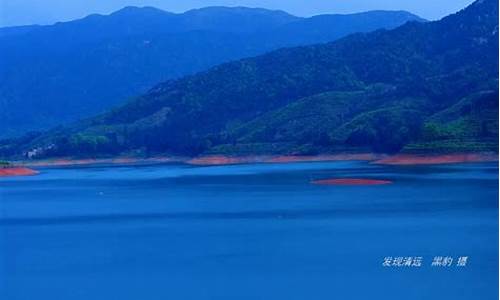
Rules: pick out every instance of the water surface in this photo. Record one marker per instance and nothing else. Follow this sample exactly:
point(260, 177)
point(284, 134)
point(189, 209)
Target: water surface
point(248, 232)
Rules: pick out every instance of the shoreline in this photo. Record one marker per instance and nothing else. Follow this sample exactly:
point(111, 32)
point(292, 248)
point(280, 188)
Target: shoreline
point(219, 160)
point(211, 160)
point(416, 159)
point(124, 161)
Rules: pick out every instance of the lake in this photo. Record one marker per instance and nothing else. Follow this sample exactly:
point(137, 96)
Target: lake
point(259, 231)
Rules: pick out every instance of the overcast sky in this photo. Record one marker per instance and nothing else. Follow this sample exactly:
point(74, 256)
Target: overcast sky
point(22, 12)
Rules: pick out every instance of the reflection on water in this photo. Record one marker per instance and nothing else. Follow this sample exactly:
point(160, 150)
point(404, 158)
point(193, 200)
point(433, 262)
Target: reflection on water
point(248, 232)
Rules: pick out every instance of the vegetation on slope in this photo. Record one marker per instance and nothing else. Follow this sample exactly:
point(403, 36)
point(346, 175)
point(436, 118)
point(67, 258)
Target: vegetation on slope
point(56, 74)
point(407, 88)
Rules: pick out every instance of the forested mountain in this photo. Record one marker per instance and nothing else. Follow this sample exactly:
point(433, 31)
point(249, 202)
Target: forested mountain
point(55, 74)
point(421, 87)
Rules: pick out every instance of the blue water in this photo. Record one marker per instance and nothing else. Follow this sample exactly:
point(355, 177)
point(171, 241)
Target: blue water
point(248, 232)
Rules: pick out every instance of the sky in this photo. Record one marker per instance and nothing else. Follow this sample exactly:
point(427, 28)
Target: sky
point(24, 12)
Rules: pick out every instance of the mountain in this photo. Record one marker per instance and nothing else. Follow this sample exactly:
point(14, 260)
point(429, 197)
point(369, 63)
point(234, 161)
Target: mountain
point(16, 30)
point(56, 74)
point(423, 87)
point(327, 28)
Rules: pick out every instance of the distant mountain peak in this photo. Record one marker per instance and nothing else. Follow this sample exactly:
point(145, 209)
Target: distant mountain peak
point(101, 59)
point(219, 14)
point(136, 10)
point(397, 15)
point(401, 13)
point(237, 9)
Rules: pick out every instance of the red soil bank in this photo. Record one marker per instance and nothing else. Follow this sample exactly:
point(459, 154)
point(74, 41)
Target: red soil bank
point(61, 162)
point(124, 160)
point(17, 171)
point(351, 181)
point(217, 160)
point(90, 161)
point(334, 157)
point(230, 160)
point(203, 160)
point(408, 159)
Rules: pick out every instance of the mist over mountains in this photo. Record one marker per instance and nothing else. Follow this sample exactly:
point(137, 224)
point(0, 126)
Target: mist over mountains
point(56, 74)
point(422, 87)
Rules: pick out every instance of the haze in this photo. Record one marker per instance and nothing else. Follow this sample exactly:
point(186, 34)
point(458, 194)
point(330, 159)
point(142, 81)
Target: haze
point(24, 12)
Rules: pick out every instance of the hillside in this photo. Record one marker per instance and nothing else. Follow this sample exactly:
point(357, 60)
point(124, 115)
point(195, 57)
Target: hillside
point(422, 87)
point(59, 73)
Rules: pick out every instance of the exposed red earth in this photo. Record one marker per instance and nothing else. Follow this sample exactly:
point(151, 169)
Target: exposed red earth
point(16, 171)
point(231, 160)
point(202, 160)
point(333, 157)
point(220, 160)
point(91, 161)
point(59, 162)
point(410, 159)
point(210, 160)
point(351, 181)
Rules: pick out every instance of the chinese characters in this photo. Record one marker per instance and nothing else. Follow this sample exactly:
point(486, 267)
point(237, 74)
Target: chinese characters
point(418, 261)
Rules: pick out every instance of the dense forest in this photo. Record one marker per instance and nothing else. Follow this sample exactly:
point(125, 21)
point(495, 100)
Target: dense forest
point(422, 87)
point(59, 73)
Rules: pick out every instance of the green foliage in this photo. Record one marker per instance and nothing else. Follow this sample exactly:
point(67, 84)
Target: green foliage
point(97, 62)
point(385, 130)
point(420, 86)
point(453, 146)
point(470, 125)
point(84, 144)
point(432, 131)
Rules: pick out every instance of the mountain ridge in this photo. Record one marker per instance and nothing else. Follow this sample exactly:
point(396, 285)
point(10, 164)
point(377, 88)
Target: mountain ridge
point(141, 10)
point(385, 91)
point(100, 60)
